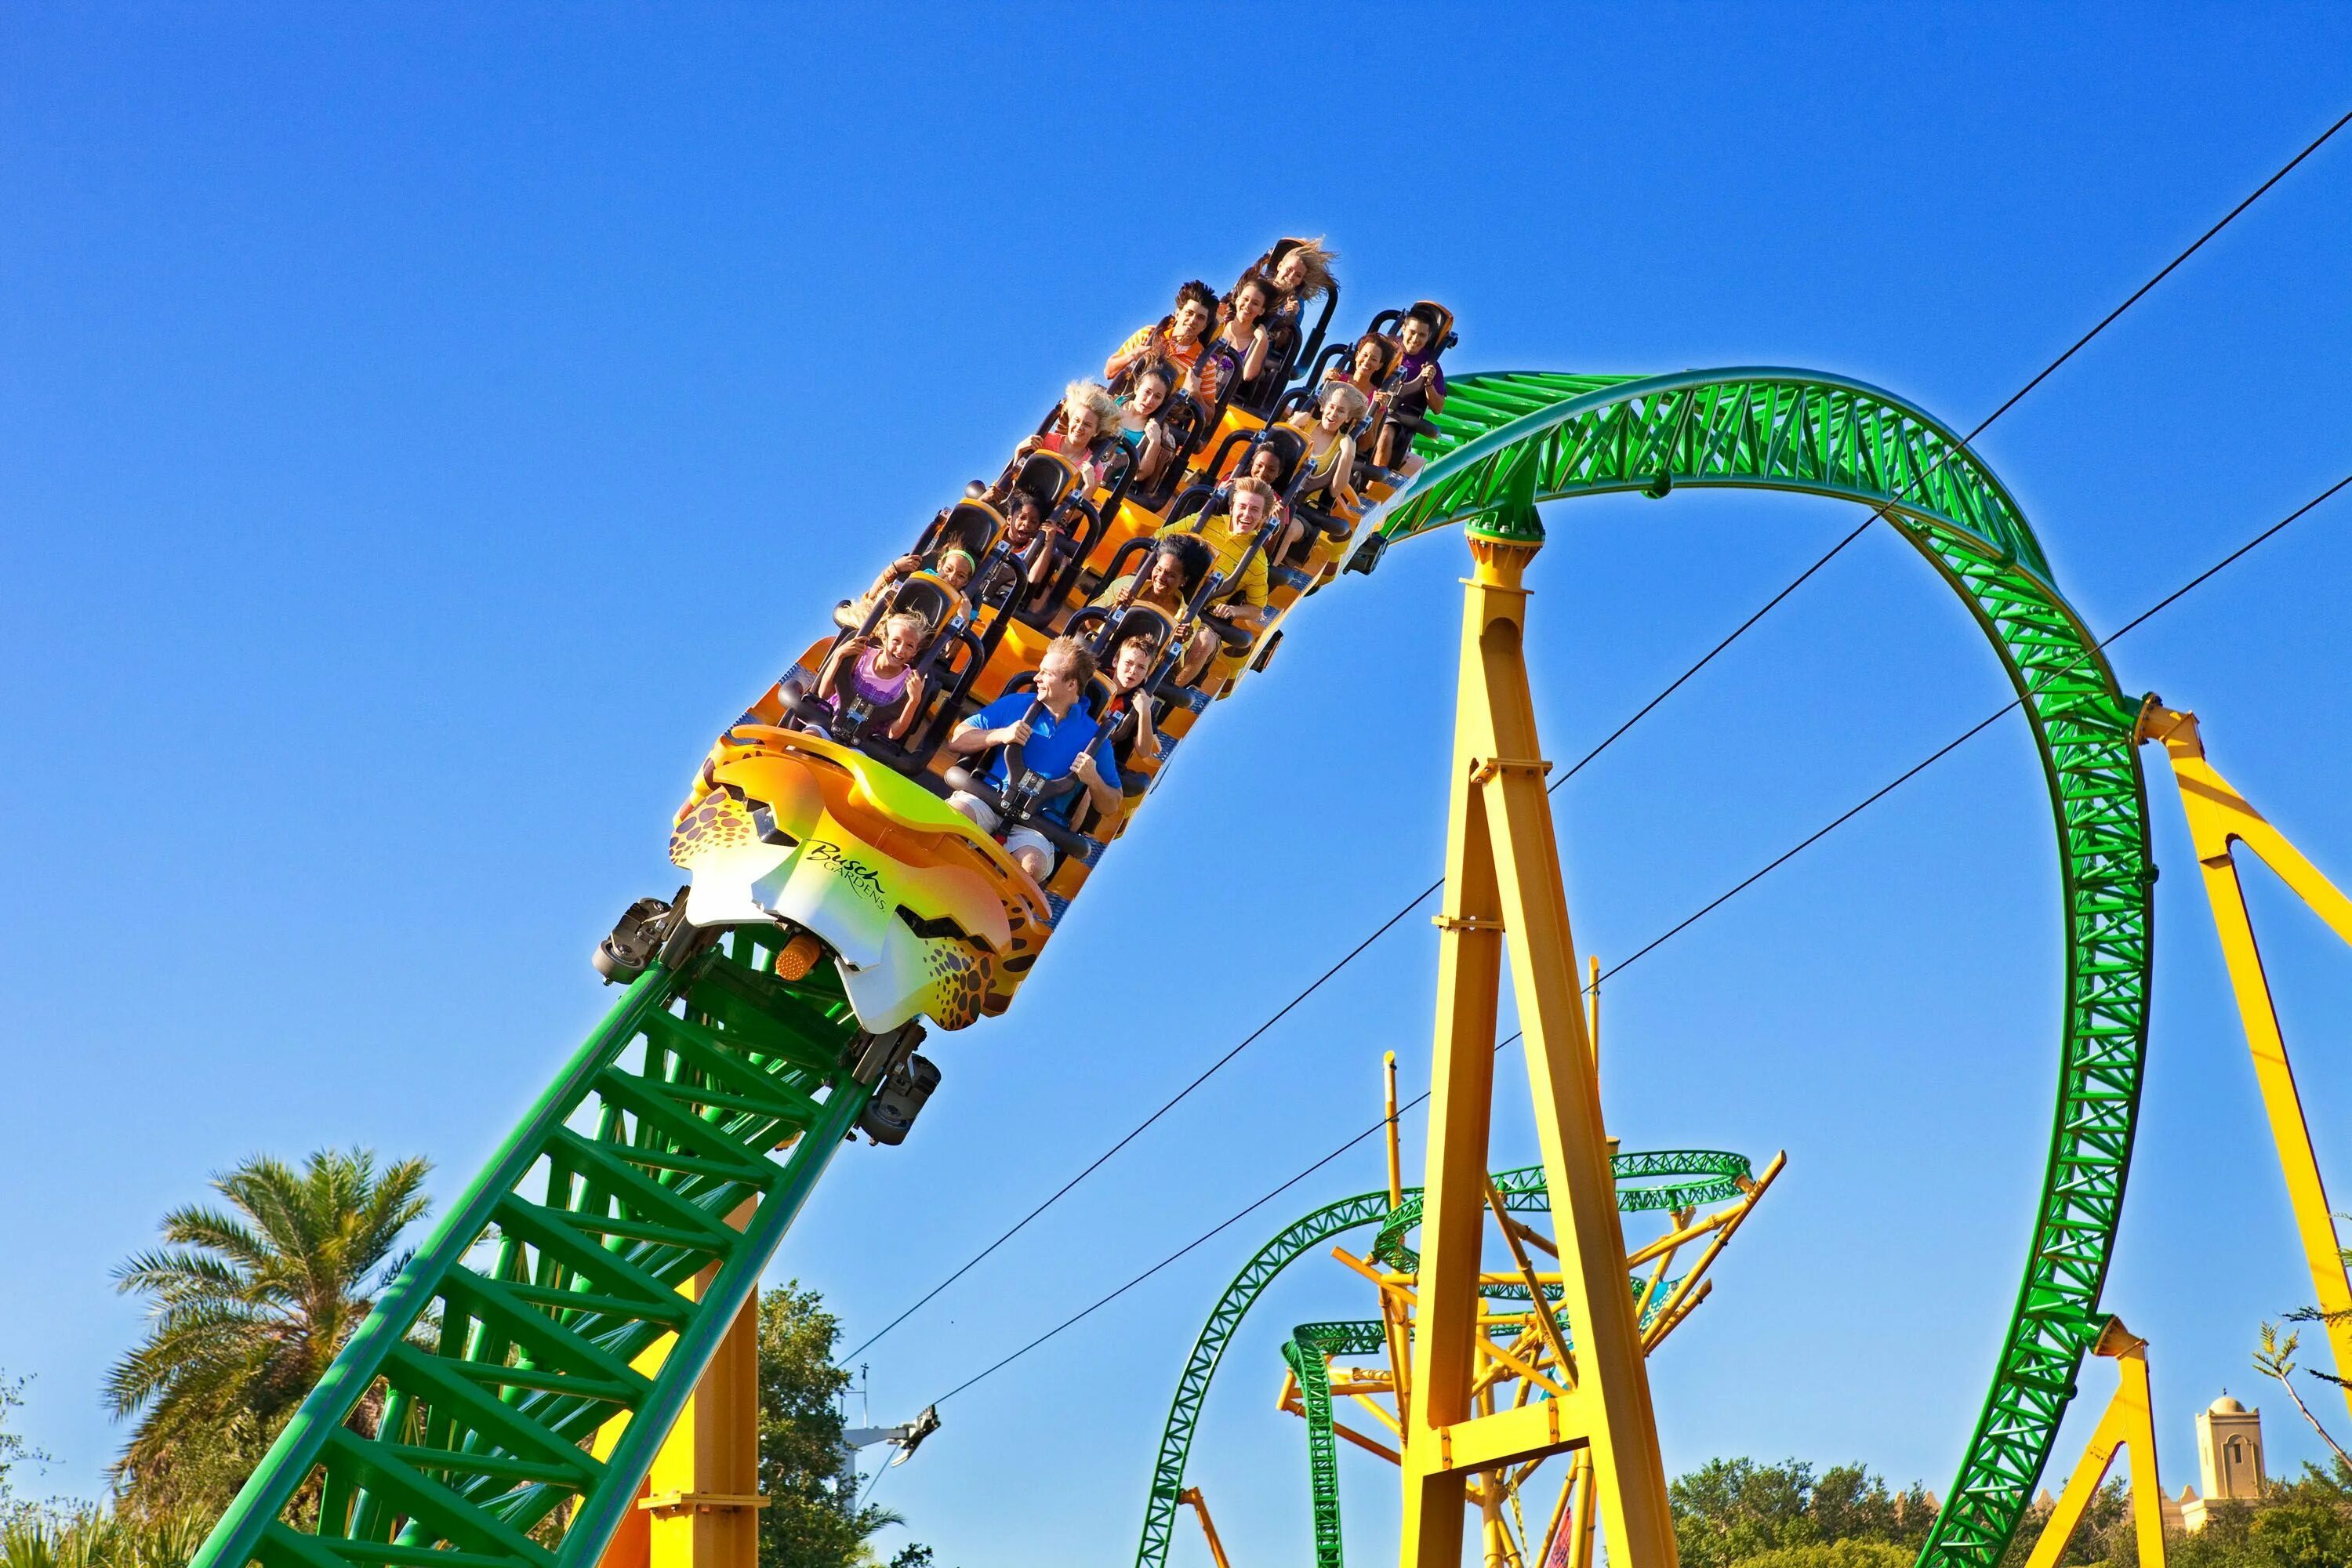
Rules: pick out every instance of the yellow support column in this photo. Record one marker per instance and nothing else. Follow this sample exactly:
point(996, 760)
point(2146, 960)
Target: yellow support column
point(2219, 819)
point(1208, 1526)
point(1503, 893)
point(699, 1507)
point(704, 1488)
point(2129, 1422)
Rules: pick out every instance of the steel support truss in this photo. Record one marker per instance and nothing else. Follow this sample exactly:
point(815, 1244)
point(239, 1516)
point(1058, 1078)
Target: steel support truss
point(1506, 442)
point(1664, 1180)
point(2130, 1421)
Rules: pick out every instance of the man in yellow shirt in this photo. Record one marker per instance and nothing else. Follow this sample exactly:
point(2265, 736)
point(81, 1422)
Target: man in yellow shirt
point(1240, 603)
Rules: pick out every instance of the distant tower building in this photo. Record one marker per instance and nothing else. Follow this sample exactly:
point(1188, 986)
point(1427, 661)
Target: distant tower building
point(2230, 1451)
point(2229, 1456)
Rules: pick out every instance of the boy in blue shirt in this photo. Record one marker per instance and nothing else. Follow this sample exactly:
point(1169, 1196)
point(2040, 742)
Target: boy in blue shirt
point(1059, 742)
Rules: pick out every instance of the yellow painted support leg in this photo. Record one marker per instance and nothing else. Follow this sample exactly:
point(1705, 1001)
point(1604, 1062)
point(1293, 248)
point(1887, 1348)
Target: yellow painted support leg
point(1208, 1526)
point(2129, 1423)
point(2219, 819)
point(1567, 1543)
point(700, 1505)
point(1503, 893)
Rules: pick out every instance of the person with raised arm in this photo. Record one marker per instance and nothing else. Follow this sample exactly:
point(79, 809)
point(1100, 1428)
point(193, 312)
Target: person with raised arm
point(1176, 337)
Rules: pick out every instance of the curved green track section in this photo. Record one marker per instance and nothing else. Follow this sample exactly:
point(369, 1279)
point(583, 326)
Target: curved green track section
point(1508, 441)
point(1692, 1177)
point(506, 1342)
point(1308, 1351)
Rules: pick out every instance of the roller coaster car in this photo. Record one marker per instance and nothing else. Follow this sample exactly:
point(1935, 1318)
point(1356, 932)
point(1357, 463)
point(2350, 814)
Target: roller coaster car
point(921, 911)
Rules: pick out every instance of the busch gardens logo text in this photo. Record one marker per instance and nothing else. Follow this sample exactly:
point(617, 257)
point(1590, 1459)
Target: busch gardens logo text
point(864, 877)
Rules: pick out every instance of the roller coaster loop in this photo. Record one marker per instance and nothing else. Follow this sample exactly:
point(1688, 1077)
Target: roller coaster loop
point(1710, 1177)
point(1507, 442)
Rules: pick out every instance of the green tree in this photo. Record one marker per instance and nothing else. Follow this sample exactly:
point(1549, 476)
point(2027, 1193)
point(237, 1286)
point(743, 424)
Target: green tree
point(1849, 1553)
point(94, 1538)
point(1849, 1503)
point(2106, 1535)
point(813, 1519)
point(247, 1306)
point(1730, 1512)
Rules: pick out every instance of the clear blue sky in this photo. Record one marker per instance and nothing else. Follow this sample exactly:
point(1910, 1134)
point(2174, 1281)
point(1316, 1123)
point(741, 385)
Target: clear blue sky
point(420, 429)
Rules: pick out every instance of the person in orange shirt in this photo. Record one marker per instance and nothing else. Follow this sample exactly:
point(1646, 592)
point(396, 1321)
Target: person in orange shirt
point(1176, 337)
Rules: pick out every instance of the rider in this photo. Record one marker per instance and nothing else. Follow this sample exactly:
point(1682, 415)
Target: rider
point(1057, 739)
point(1176, 337)
point(883, 687)
point(1415, 388)
point(1240, 601)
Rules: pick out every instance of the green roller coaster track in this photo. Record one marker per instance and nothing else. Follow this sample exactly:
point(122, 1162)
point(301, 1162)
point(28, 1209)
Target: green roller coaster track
point(508, 1341)
point(1310, 1351)
point(1695, 1176)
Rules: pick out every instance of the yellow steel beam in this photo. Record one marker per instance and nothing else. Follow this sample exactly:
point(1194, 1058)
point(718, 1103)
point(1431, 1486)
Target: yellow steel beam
point(1383, 1416)
point(1568, 1539)
point(1664, 1252)
point(1580, 1549)
point(1679, 1304)
point(1546, 1323)
point(1490, 1278)
point(2218, 818)
point(1504, 894)
point(2130, 1421)
point(1684, 1233)
point(1668, 1321)
point(698, 1505)
point(1396, 1159)
point(1208, 1526)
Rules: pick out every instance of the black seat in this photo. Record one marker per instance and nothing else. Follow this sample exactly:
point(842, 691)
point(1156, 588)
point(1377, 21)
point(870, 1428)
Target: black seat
point(1048, 476)
point(970, 526)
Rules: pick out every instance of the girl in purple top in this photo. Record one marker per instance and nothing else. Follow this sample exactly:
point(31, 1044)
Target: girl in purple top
point(881, 676)
point(1416, 388)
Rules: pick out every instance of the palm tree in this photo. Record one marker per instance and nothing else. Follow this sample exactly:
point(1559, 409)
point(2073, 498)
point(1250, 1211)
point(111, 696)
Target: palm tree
point(247, 1307)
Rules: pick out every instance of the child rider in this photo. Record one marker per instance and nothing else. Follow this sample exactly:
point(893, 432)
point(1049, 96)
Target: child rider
point(1416, 389)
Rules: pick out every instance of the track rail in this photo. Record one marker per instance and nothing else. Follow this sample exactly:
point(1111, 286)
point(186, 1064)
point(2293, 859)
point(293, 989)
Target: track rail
point(515, 1332)
point(1508, 441)
point(1697, 1176)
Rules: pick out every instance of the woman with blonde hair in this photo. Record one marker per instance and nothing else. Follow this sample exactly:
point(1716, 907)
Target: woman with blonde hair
point(1327, 481)
point(880, 674)
point(1300, 270)
point(1084, 435)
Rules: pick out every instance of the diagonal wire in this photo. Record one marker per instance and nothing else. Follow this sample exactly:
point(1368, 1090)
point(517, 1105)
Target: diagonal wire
point(1643, 711)
point(1946, 750)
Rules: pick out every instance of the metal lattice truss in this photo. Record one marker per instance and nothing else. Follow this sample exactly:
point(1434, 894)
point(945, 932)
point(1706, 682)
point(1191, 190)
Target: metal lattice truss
point(1524, 1354)
point(1695, 1176)
point(1308, 1354)
point(519, 1356)
point(1506, 442)
point(1745, 429)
